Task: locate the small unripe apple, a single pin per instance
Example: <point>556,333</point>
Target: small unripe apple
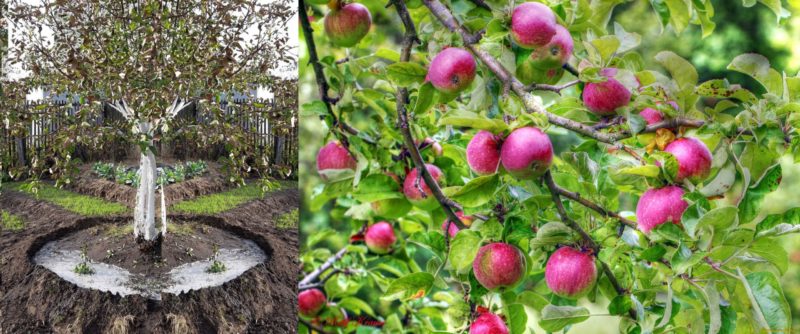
<point>380,237</point>
<point>603,98</point>
<point>499,265</point>
<point>556,53</point>
<point>694,158</point>
<point>310,302</point>
<point>452,70</point>
<point>526,153</point>
<point>570,273</point>
<point>532,25</point>
<point>467,220</point>
<point>488,323</point>
<point>347,25</point>
<point>483,153</point>
<point>431,143</point>
<point>653,116</point>
<point>334,162</point>
<point>658,206</point>
<point>422,199</point>
<point>528,74</point>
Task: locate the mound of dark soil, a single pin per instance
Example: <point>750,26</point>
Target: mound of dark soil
<point>35,300</point>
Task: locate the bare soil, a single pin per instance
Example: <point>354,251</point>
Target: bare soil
<point>35,300</point>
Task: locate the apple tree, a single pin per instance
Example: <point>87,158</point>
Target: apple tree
<point>519,167</point>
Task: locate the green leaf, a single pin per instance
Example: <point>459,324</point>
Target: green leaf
<point>463,118</point>
<point>463,250</point>
<point>356,305</point>
<point>477,191</point>
<point>425,98</point>
<point>606,46</point>
<point>719,218</point>
<point>554,318</point>
<point>647,171</point>
<point>679,14</point>
<point>377,187</point>
<point>410,286</point>
<point>552,233</point>
<point>750,205</point>
<point>516,317</point>
<point>771,311</point>
<point>532,300</point>
<point>314,108</point>
<point>406,73</point>
<point>681,70</point>
<point>620,305</point>
<point>771,250</point>
<point>720,88</point>
<point>757,67</point>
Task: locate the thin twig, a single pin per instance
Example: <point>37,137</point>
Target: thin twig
<point>591,205</point>
<point>553,88</point>
<point>306,281</point>
<point>409,38</point>
<point>587,239</point>
<point>312,326</point>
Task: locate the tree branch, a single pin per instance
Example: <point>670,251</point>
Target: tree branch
<point>401,96</point>
<point>319,329</point>
<point>322,83</point>
<point>587,239</point>
<point>306,281</point>
<point>591,205</point>
<point>553,88</point>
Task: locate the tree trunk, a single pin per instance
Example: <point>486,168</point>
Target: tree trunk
<point>144,214</point>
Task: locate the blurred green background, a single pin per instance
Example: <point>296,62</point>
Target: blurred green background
<point>738,30</point>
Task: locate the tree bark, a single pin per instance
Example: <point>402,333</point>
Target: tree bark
<point>144,214</point>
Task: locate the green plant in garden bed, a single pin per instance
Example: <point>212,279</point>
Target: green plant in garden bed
<point>223,201</point>
<point>80,204</point>
<point>506,159</point>
<point>11,222</point>
<point>289,220</point>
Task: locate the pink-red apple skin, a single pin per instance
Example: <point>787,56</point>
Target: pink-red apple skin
<point>658,206</point>
<point>483,153</point>
<point>453,230</point>
<point>526,153</point>
<point>653,116</point>
<point>347,25</point>
<point>380,237</point>
<point>570,273</point>
<point>694,158</point>
<point>556,53</point>
<point>452,70</point>
<point>603,98</point>
<point>334,158</point>
<point>413,193</point>
<point>532,25</point>
<point>488,323</point>
<point>499,265</point>
<point>310,302</point>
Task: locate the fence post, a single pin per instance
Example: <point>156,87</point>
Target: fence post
<point>21,152</point>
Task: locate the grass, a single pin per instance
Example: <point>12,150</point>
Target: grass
<point>216,267</point>
<point>119,230</point>
<point>77,203</point>
<point>11,222</point>
<point>180,229</point>
<point>289,220</point>
<point>224,201</point>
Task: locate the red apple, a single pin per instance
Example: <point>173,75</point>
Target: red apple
<point>413,193</point>
<point>570,273</point>
<point>652,115</point>
<point>380,237</point>
<point>483,153</point>
<point>334,162</point>
<point>694,158</point>
<point>467,220</point>
<point>310,302</point>
<point>603,98</point>
<point>452,70</point>
<point>526,153</point>
<point>432,144</point>
<point>528,74</point>
<point>659,206</point>
<point>556,53</point>
<point>488,323</point>
<point>499,265</point>
<point>347,25</point>
<point>532,25</point>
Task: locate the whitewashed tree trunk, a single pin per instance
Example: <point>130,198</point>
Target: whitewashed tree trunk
<point>144,214</point>
<point>163,212</point>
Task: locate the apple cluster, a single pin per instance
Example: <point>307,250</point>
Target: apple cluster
<point>525,153</point>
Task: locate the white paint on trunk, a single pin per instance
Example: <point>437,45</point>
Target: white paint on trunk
<point>163,212</point>
<point>144,214</point>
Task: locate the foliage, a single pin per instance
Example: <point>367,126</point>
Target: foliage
<point>11,222</point>
<point>216,267</point>
<point>80,204</point>
<point>716,272</point>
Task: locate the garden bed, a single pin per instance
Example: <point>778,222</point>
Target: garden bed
<point>34,299</point>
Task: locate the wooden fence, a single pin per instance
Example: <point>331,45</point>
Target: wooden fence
<point>263,121</point>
